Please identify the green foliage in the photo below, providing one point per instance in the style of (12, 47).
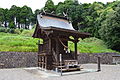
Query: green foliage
(8, 30)
(26, 16)
(20, 17)
(1, 15)
(110, 29)
(12, 25)
(12, 31)
(2, 29)
(27, 33)
(91, 45)
(100, 20)
(72, 9)
(49, 6)
(21, 43)
(18, 31)
(18, 43)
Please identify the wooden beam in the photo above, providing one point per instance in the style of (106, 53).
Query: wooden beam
(65, 39)
(75, 47)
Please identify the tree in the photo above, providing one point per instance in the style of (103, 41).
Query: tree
(91, 18)
(6, 17)
(13, 14)
(72, 9)
(110, 29)
(1, 16)
(12, 25)
(26, 16)
(49, 6)
(37, 11)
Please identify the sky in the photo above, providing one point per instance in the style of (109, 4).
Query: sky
(38, 4)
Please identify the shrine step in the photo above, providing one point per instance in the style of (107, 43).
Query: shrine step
(70, 69)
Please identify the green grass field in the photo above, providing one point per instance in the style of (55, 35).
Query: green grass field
(25, 43)
(19, 43)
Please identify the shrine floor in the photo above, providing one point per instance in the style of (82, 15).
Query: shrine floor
(108, 72)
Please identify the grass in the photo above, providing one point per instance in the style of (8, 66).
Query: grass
(19, 43)
(25, 43)
(91, 45)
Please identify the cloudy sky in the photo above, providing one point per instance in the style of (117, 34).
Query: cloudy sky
(37, 4)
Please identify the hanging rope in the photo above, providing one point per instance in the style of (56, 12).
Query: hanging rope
(63, 44)
(67, 49)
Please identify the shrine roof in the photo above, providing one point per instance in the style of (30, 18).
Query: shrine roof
(47, 20)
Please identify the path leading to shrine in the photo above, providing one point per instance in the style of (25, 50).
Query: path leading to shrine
(109, 72)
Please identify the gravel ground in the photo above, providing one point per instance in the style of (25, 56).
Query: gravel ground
(109, 72)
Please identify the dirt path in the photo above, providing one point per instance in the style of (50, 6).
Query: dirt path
(109, 72)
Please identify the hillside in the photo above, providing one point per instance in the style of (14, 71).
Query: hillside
(18, 43)
(25, 43)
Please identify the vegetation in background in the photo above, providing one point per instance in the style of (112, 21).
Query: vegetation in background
(91, 45)
(99, 19)
(17, 17)
(25, 43)
(110, 29)
(18, 43)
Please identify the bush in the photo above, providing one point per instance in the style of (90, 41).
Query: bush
(27, 33)
(8, 30)
(17, 31)
(12, 31)
(21, 30)
(2, 29)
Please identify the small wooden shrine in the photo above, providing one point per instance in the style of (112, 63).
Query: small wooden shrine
(55, 32)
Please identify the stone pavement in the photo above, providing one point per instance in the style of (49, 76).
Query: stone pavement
(109, 72)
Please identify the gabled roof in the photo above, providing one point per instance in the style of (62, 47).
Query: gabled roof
(55, 25)
(48, 20)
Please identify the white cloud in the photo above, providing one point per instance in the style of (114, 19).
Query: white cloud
(38, 4)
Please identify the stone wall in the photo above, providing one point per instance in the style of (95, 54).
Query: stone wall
(18, 59)
(29, 59)
(106, 58)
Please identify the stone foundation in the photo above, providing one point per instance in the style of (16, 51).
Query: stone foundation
(18, 59)
(30, 59)
(106, 58)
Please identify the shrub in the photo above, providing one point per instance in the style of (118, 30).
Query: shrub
(12, 31)
(17, 31)
(21, 30)
(8, 30)
(2, 29)
(27, 33)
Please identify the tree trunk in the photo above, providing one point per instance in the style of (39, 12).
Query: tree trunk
(5, 25)
(18, 25)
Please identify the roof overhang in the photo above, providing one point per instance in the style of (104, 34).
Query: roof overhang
(59, 32)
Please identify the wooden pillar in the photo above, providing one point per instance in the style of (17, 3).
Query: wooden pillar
(42, 62)
(57, 51)
(38, 53)
(38, 46)
(75, 47)
(50, 45)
